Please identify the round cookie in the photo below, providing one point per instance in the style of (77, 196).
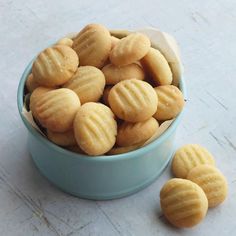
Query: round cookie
(133, 100)
(121, 150)
(56, 109)
(93, 45)
(212, 181)
(106, 94)
(170, 102)
(130, 49)
(115, 74)
(65, 41)
(63, 139)
(95, 128)
(55, 65)
(31, 84)
(133, 133)
(183, 202)
(189, 156)
(88, 83)
(157, 67)
(114, 41)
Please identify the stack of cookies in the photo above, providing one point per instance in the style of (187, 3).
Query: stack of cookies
(102, 92)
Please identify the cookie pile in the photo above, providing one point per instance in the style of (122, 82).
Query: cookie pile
(97, 93)
(197, 186)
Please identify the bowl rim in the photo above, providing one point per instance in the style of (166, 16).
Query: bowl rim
(128, 155)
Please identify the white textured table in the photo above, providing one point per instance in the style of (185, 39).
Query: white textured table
(205, 30)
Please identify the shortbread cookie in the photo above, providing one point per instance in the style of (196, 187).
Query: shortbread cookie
(31, 84)
(56, 109)
(121, 150)
(212, 181)
(55, 65)
(35, 96)
(114, 41)
(63, 139)
(183, 202)
(93, 45)
(95, 128)
(130, 49)
(133, 133)
(119, 33)
(106, 94)
(115, 74)
(170, 102)
(65, 41)
(133, 100)
(88, 83)
(157, 67)
(188, 157)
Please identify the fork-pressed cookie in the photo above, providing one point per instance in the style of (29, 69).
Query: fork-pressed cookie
(189, 156)
(106, 94)
(115, 74)
(212, 181)
(55, 65)
(133, 100)
(88, 83)
(114, 41)
(95, 128)
(93, 45)
(65, 41)
(31, 84)
(183, 202)
(130, 49)
(56, 109)
(170, 102)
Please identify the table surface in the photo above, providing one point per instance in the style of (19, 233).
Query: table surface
(206, 33)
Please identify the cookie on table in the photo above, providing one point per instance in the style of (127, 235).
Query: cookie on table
(157, 67)
(133, 133)
(130, 49)
(31, 84)
(93, 45)
(106, 94)
(170, 102)
(183, 202)
(133, 100)
(115, 74)
(56, 109)
(212, 181)
(95, 128)
(189, 156)
(55, 65)
(65, 41)
(88, 83)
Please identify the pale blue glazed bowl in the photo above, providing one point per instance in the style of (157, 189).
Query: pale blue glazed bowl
(101, 177)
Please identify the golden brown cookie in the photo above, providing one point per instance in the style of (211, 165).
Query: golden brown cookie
(88, 83)
(183, 202)
(121, 150)
(55, 65)
(63, 139)
(65, 41)
(115, 74)
(93, 45)
(56, 109)
(106, 94)
(133, 100)
(212, 181)
(170, 102)
(114, 41)
(31, 84)
(189, 156)
(130, 49)
(157, 67)
(133, 133)
(95, 128)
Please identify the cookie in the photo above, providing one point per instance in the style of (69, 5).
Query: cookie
(95, 128)
(65, 41)
(56, 109)
(130, 49)
(62, 139)
(133, 100)
(170, 102)
(212, 181)
(188, 157)
(115, 74)
(88, 83)
(93, 45)
(121, 150)
(157, 67)
(183, 202)
(119, 33)
(114, 41)
(31, 84)
(133, 133)
(55, 65)
(106, 94)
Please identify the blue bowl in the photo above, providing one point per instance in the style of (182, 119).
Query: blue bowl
(101, 177)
